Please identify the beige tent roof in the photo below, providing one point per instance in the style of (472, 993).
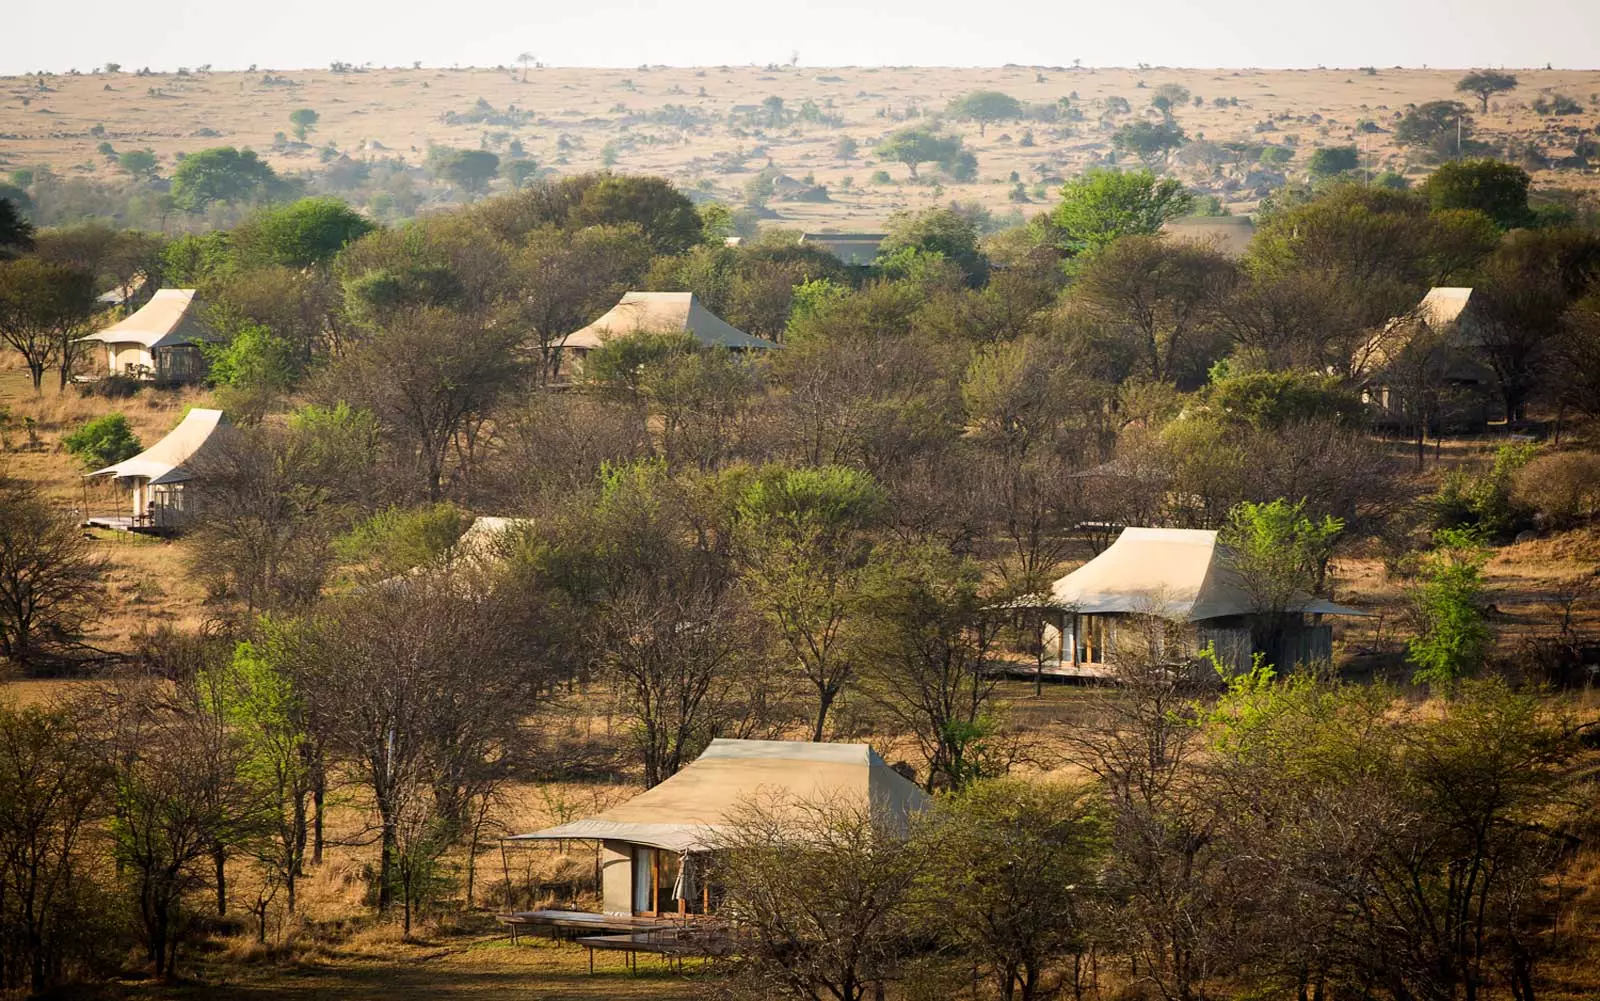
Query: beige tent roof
(1443, 310)
(685, 812)
(663, 313)
(857, 249)
(1177, 573)
(168, 318)
(166, 460)
(1229, 234)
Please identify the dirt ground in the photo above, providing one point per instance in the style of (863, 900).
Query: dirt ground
(696, 127)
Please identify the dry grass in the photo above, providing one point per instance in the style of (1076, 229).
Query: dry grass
(576, 115)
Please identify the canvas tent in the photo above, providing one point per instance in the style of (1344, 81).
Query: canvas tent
(1437, 343)
(1229, 235)
(663, 313)
(856, 250)
(1180, 575)
(644, 841)
(160, 340)
(163, 499)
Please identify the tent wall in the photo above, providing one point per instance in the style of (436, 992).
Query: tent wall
(616, 877)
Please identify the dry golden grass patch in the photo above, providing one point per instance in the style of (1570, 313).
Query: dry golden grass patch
(576, 114)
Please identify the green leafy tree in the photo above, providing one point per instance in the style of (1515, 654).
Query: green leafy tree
(1484, 84)
(1103, 205)
(1498, 190)
(1329, 161)
(1452, 635)
(984, 107)
(1281, 556)
(519, 172)
(256, 359)
(1010, 876)
(915, 146)
(103, 441)
(16, 232)
(470, 169)
(222, 174)
(43, 308)
(947, 233)
(1151, 142)
(805, 554)
(303, 233)
(304, 121)
(256, 695)
(138, 162)
(666, 215)
(1436, 125)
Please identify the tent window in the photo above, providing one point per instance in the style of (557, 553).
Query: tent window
(1093, 633)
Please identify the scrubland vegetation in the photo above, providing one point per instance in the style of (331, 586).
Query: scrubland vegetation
(279, 750)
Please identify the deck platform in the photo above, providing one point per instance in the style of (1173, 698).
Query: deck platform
(579, 922)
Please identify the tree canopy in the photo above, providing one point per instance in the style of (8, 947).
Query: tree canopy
(919, 145)
(222, 174)
(1103, 205)
(1484, 84)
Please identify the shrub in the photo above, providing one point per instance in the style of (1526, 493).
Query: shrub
(1483, 501)
(1452, 636)
(103, 441)
(1561, 489)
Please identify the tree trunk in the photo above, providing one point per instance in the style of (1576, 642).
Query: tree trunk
(219, 856)
(318, 792)
(824, 704)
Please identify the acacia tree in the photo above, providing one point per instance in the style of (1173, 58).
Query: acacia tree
(648, 572)
(50, 580)
(1103, 205)
(805, 554)
(1010, 868)
(422, 685)
(917, 146)
(1281, 557)
(431, 378)
(984, 107)
(43, 307)
(1484, 84)
(822, 889)
(932, 631)
(53, 784)
(562, 280)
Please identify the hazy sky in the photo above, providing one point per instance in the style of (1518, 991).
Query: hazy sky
(291, 34)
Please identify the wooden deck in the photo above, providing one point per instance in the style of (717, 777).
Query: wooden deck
(558, 922)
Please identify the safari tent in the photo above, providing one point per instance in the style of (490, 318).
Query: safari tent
(1181, 576)
(160, 341)
(1229, 235)
(652, 847)
(857, 250)
(662, 313)
(159, 477)
(1434, 348)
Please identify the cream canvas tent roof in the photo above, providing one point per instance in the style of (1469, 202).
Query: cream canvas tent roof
(1176, 573)
(168, 318)
(166, 461)
(1229, 235)
(663, 313)
(856, 249)
(685, 812)
(1444, 310)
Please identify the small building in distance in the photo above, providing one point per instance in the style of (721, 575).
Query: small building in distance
(160, 341)
(163, 498)
(1229, 235)
(653, 847)
(661, 313)
(855, 250)
(1425, 370)
(1182, 579)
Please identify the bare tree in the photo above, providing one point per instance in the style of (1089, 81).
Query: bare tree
(822, 890)
(50, 580)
